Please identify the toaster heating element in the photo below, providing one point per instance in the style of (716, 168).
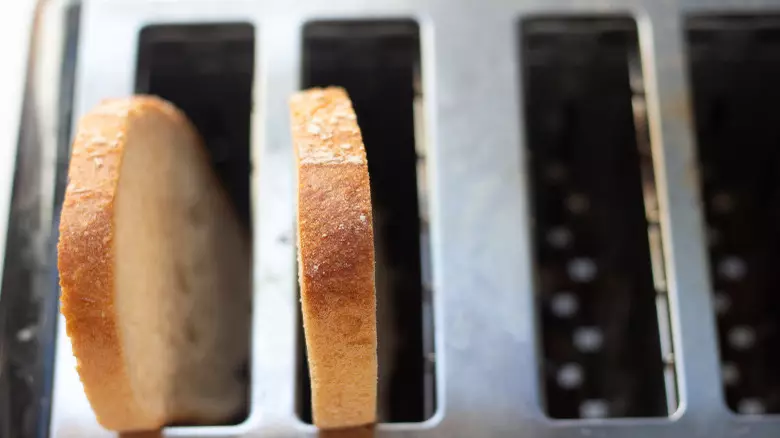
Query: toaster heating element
(575, 205)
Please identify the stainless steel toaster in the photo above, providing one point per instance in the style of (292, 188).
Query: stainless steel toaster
(577, 204)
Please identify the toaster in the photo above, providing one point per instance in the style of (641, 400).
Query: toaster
(575, 204)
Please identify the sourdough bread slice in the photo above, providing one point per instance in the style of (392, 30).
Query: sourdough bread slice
(336, 258)
(154, 270)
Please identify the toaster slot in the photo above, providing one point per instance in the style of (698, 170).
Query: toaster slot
(377, 62)
(734, 66)
(207, 71)
(598, 261)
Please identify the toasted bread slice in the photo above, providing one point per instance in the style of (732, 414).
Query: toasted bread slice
(155, 271)
(336, 258)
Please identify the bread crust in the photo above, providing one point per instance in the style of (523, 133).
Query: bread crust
(336, 258)
(85, 258)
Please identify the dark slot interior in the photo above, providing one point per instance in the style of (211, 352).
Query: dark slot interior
(588, 163)
(207, 71)
(734, 66)
(377, 63)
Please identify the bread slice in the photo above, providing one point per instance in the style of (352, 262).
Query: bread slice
(336, 258)
(155, 271)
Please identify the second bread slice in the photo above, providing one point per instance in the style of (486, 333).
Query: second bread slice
(336, 258)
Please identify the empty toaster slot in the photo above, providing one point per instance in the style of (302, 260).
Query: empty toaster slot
(207, 71)
(377, 62)
(734, 66)
(597, 247)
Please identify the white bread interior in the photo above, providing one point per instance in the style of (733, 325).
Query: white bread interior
(155, 271)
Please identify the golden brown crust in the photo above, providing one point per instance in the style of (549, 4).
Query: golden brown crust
(86, 260)
(142, 434)
(367, 431)
(336, 258)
